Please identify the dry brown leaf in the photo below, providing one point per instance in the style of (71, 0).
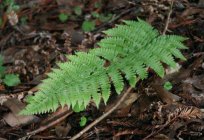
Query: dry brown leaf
(62, 131)
(13, 118)
(125, 107)
(192, 11)
(165, 95)
(189, 112)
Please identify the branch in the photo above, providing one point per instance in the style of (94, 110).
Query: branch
(168, 18)
(63, 114)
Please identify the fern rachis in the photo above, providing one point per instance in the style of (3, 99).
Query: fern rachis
(130, 49)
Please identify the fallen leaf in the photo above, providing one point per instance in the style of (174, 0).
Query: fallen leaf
(194, 86)
(2, 87)
(62, 131)
(13, 118)
(125, 107)
(192, 11)
(165, 95)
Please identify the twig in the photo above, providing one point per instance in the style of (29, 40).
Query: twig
(44, 127)
(50, 124)
(168, 18)
(156, 132)
(103, 116)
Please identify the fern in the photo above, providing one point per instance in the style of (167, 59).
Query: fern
(128, 50)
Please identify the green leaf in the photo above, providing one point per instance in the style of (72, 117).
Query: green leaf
(8, 2)
(168, 85)
(88, 26)
(15, 7)
(78, 10)
(1, 60)
(2, 68)
(11, 80)
(95, 14)
(2, 71)
(83, 121)
(1, 21)
(63, 17)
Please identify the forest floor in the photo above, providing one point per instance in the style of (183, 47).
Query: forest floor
(36, 34)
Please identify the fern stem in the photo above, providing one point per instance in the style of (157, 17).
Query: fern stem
(103, 116)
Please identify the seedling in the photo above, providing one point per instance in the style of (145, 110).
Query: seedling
(95, 14)
(83, 121)
(11, 80)
(1, 21)
(63, 17)
(168, 85)
(8, 79)
(88, 26)
(78, 10)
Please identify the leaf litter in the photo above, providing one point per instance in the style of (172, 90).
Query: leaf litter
(151, 112)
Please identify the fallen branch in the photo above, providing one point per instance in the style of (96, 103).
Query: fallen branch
(65, 112)
(168, 18)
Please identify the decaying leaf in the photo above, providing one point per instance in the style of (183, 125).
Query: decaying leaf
(189, 112)
(13, 118)
(62, 131)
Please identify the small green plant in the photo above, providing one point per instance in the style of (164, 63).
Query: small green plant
(8, 79)
(78, 10)
(2, 68)
(11, 80)
(88, 26)
(63, 17)
(83, 121)
(1, 21)
(168, 85)
(95, 14)
(128, 52)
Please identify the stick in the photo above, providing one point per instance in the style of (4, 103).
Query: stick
(168, 18)
(42, 128)
(103, 116)
(50, 124)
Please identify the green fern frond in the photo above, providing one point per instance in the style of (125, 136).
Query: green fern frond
(127, 52)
